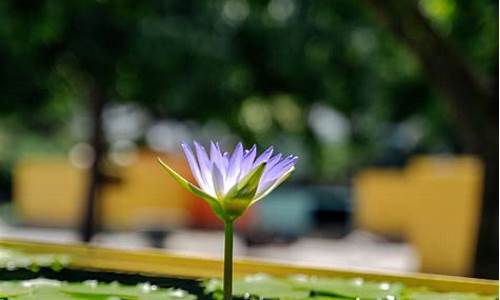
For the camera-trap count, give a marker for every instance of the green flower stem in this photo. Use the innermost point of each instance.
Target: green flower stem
(228, 259)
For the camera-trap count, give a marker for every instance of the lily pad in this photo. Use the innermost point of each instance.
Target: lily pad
(8, 289)
(43, 289)
(47, 293)
(303, 287)
(355, 288)
(260, 286)
(143, 291)
(429, 295)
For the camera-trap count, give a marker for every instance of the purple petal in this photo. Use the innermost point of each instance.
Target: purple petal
(234, 165)
(247, 161)
(205, 165)
(218, 182)
(270, 164)
(272, 161)
(275, 171)
(264, 185)
(193, 164)
(267, 187)
(214, 151)
(216, 157)
(225, 160)
(263, 157)
(280, 168)
(202, 156)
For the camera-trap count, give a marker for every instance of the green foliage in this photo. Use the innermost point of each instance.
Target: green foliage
(258, 66)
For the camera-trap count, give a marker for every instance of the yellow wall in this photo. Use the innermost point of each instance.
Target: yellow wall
(434, 203)
(50, 191)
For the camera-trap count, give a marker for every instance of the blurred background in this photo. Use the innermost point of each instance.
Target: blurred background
(392, 107)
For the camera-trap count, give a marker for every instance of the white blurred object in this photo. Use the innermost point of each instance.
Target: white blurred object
(359, 250)
(235, 11)
(37, 234)
(164, 136)
(81, 155)
(197, 242)
(125, 122)
(281, 10)
(329, 125)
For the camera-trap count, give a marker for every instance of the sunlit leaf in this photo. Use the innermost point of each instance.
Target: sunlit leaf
(260, 285)
(214, 203)
(350, 288)
(240, 196)
(429, 295)
(43, 289)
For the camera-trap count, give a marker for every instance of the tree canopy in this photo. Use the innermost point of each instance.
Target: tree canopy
(269, 70)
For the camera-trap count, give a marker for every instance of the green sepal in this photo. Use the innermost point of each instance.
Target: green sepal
(241, 194)
(214, 203)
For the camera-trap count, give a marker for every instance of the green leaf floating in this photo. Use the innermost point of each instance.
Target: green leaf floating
(321, 288)
(259, 285)
(355, 288)
(302, 287)
(8, 289)
(36, 289)
(43, 289)
(143, 291)
(429, 295)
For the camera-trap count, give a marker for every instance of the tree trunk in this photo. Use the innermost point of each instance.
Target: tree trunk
(471, 98)
(486, 262)
(90, 221)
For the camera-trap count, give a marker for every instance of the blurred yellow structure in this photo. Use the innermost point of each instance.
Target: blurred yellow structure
(51, 191)
(434, 203)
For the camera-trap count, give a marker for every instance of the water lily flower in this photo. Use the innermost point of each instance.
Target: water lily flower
(231, 183)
